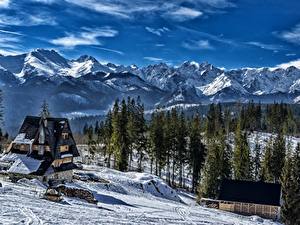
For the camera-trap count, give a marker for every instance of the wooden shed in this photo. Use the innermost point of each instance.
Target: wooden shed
(250, 198)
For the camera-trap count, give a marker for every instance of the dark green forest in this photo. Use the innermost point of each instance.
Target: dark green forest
(206, 145)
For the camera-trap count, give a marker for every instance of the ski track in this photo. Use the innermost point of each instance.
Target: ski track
(20, 203)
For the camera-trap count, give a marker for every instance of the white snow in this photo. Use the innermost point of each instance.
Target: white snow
(24, 165)
(21, 139)
(21, 203)
(66, 155)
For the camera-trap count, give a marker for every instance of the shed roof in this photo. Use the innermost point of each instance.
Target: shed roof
(250, 192)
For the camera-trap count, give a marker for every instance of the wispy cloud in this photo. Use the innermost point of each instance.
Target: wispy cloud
(45, 1)
(23, 19)
(153, 59)
(10, 32)
(292, 36)
(10, 42)
(183, 13)
(271, 47)
(4, 3)
(104, 7)
(216, 38)
(197, 45)
(290, 54)
(158, 31)
(10, 52)
(216, 3)
(88, 36)
(111, 50)
(176, 10)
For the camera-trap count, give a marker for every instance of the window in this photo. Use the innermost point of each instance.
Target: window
(65, 135)
(64, 148)
(57, 162)
(67, 160)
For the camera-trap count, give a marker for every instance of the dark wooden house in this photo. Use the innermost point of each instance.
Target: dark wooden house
(249, 198)
(43, 146)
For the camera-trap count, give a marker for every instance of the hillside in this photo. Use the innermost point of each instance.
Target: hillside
(128, 198)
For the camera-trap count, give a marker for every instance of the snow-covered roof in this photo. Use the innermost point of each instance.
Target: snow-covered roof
(24, 164)
(66, 155)
(21, 139)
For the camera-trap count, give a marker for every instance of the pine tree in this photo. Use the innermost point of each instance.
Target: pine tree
(174, 142)
(108, 131)
(131, 126)
(257, 159)
(122, 163)
(290, 181)
(115, 142)
(277, 157)
(197, 151)
(141, 139)
(211, 172)
(168, 144)
(266, 174)
(157, 141)
(210, 122)
(45, 110)
(85, 129)
(181, 154)
(226, 158)
(241, 155)
(97, 128)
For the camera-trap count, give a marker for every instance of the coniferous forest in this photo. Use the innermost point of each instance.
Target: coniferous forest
(205, 148)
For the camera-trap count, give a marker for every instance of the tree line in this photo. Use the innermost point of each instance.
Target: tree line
(207, 148)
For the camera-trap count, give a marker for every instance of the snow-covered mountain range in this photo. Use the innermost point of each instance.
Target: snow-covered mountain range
(86, 86)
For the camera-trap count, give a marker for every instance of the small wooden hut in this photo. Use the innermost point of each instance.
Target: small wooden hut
(248, 198)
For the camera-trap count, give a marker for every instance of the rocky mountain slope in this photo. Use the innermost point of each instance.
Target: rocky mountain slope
(84, 86)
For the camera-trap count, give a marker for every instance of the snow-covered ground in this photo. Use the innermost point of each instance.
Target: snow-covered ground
(127, 198)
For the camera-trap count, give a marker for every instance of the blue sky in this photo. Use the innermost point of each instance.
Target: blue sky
(227, 33)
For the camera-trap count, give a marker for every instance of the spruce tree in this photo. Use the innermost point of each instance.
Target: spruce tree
(122, 163)
(266, 174)
(115, 142)
(290, 181)
(45, 112)
(131, 126)
(241, 155)
(141, 138)
(168, 144)
(174, 142)
(226, 158)
(212, 170)
(157, 141)
(277, 157)
(257, 159)
(181, 154)
(196, 151)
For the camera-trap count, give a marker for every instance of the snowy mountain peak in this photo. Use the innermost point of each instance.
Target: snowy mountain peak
(190, 82)
(85, 58)
(51, 56)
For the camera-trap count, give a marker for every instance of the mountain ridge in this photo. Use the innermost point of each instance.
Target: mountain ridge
(86, 85)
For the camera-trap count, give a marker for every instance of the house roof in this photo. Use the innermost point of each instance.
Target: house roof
(54, 128)
(24, 164)
(30, 126)
(250, 192)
